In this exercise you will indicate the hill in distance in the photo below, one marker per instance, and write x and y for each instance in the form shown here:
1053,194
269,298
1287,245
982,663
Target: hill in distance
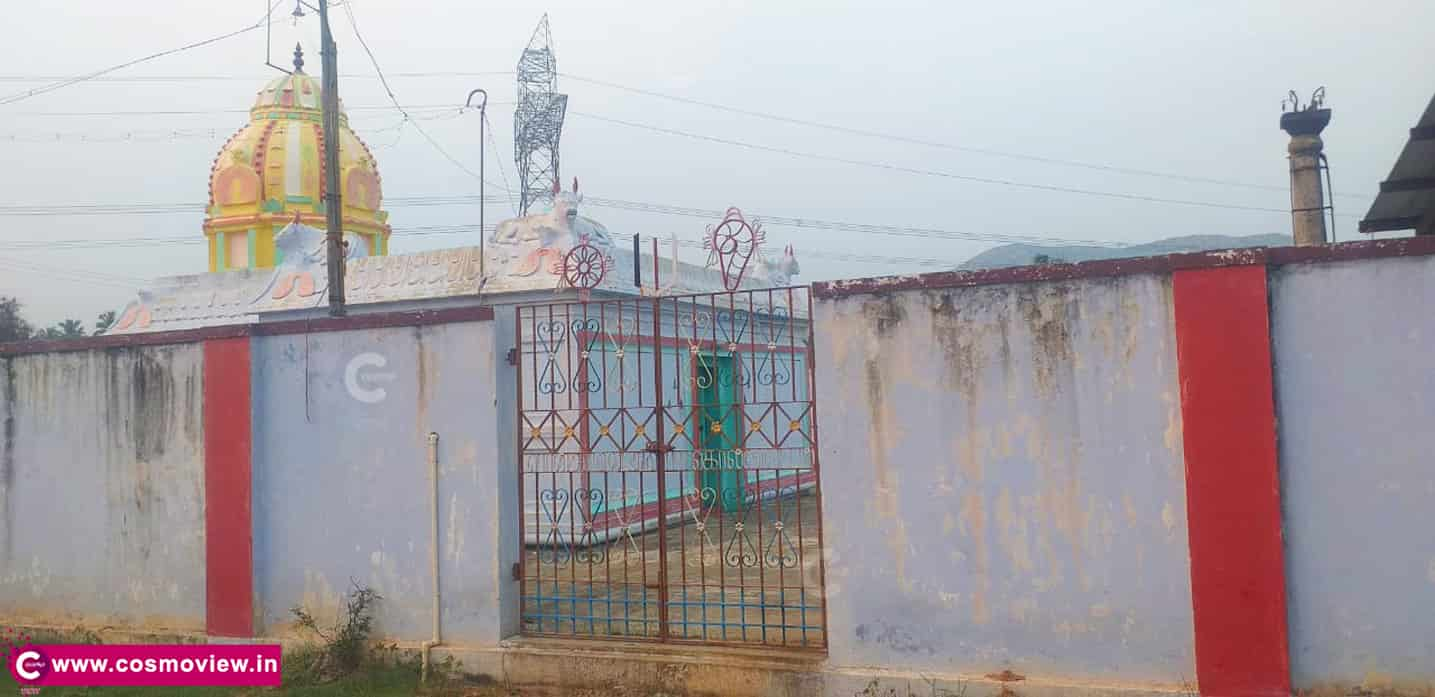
1023,254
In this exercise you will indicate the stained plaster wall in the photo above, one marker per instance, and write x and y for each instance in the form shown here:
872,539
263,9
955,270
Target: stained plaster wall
102,488
1003,481
341,480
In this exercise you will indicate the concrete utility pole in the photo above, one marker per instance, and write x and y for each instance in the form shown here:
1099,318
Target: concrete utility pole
333,202
1308,206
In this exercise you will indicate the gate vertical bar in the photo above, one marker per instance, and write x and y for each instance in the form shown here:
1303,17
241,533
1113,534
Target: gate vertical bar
660,453
519,450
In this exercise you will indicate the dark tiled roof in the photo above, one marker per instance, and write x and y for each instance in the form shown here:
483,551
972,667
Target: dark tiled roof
1407,196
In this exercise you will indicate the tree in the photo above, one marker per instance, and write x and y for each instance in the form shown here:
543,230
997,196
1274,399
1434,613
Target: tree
68,329
1047,259
13,327
104,322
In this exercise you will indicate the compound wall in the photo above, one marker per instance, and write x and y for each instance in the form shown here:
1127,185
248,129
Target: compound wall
101,487
1004,480
342,480
1355,388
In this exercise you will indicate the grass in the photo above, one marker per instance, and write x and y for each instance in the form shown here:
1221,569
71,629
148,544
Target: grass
371,681
374,681
392,675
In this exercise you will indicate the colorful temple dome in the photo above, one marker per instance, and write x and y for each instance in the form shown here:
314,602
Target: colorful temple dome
273,169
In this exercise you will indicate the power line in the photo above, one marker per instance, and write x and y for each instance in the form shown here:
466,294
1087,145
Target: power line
70,274
684,100
81,209
862,163
245,78
930,143
160,135
150,241
817,224
349,10
618,204
201,112
928,172
373,60
1133,171
488,129
26,94
419,231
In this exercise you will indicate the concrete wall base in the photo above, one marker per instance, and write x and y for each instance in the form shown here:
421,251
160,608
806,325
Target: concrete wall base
688,670
82,633
702,671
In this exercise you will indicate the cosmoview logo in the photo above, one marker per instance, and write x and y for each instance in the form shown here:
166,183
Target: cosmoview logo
30,665
360,382
27,664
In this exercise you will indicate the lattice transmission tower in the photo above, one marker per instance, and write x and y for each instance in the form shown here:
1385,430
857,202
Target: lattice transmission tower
538,119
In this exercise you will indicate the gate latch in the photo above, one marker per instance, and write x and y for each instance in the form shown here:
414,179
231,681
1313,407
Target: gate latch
655,447
512,356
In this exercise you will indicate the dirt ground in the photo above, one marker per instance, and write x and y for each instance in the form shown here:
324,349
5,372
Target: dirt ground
745,576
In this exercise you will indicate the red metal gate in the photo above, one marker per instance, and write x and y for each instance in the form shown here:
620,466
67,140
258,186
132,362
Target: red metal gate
669,472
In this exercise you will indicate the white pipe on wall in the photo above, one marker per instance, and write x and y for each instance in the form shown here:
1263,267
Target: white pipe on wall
437,638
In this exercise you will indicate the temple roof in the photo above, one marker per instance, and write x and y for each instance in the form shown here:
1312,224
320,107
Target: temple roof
245,296
273,167
1407,196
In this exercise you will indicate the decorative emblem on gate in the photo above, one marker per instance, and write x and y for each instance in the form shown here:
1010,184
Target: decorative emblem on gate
731,244
584,267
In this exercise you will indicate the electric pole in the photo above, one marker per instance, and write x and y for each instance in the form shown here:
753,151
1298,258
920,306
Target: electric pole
333,202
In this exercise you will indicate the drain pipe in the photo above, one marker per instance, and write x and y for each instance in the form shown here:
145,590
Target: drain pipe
433,553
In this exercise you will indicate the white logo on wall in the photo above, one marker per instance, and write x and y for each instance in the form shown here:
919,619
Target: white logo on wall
360,383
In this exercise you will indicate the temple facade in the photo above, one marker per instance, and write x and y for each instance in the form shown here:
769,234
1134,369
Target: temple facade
267,255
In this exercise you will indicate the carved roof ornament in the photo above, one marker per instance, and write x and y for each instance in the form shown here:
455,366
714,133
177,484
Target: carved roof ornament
584,267
732,244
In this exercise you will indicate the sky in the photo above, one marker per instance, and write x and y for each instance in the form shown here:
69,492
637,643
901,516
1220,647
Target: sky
994,91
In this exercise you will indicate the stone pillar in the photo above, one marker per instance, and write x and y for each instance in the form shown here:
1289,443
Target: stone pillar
1307,192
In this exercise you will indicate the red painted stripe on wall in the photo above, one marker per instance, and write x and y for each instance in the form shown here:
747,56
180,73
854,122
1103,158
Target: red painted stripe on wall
1223,346
228,541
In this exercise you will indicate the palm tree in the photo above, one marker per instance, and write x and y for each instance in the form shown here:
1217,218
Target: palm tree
68,329
104,321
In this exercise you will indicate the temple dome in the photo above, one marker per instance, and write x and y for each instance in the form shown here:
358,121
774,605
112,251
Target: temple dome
273,168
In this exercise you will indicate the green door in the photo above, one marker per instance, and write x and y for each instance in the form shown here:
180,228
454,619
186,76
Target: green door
721,430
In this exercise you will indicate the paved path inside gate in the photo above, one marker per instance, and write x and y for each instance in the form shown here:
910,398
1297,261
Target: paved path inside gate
752,576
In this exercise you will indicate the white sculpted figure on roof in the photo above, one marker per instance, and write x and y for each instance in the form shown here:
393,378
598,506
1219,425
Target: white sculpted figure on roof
525,246
781,272
303,267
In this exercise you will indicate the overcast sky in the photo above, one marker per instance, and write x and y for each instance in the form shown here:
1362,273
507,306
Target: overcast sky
1187,88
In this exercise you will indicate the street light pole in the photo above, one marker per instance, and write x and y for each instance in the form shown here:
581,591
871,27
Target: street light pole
482,231
333,202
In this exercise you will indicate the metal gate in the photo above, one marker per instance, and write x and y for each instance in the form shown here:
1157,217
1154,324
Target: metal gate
669,471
